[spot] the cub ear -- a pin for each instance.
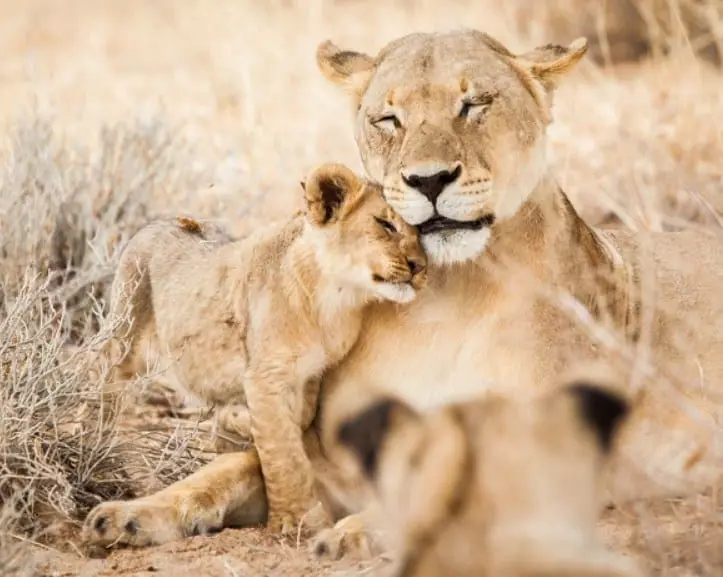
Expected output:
(327, 189)
(550, 63)
(364, 433)
(346, 68)
(602, 410)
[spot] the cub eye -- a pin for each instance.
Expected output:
(388, 122)
(475, 107)
(385, 224)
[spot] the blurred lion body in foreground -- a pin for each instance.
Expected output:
(488, 487)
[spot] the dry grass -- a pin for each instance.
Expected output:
(65, 212)
(115, 112)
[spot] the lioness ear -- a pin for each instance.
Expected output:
(346, 68)
(364, 433)
(550, 63)
(603, 411)
(327, 189)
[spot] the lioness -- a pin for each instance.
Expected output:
(489, 488)
(519, 287)
(256, 321)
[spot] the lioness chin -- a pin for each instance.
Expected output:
(519, 287)
(254, 322)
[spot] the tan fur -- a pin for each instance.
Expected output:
(255, 322)
(529, 289)
(487, 488)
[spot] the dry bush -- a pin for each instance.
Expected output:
(66, 211)
(64, 214)
(59, 447)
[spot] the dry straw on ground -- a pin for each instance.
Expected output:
(114, 112)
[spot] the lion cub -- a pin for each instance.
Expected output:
(254, 322)
(483, 488)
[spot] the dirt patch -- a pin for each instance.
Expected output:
(230, 553)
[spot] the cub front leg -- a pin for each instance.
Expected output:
(273, 394)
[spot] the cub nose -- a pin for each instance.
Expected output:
(431, 185)
(415, 266)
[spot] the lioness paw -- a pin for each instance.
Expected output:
(118, 523)
(140, 524)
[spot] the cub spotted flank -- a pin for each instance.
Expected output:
(251, 324)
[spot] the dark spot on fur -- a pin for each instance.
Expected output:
(365, 433)
(101, 524)
(321, 549)
(189, 225)
(342, 58)
(131, 527)
(602, 410)
(555, 49)
(426, 60)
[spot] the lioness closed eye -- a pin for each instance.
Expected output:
(491, 488)
(253, 323)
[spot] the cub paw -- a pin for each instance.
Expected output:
(313, 519)
(345, 539)
(283, 523)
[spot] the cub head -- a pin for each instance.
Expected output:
(490, 488)
(453, 125)
(360, 238)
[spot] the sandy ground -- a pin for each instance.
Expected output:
(238, 80)
(230, 553)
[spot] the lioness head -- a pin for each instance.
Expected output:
(360, 238)
(453, 125)
(490, 488)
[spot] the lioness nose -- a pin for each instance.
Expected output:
(431, 185)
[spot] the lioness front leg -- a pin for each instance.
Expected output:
(274, 396)
(227, 492)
